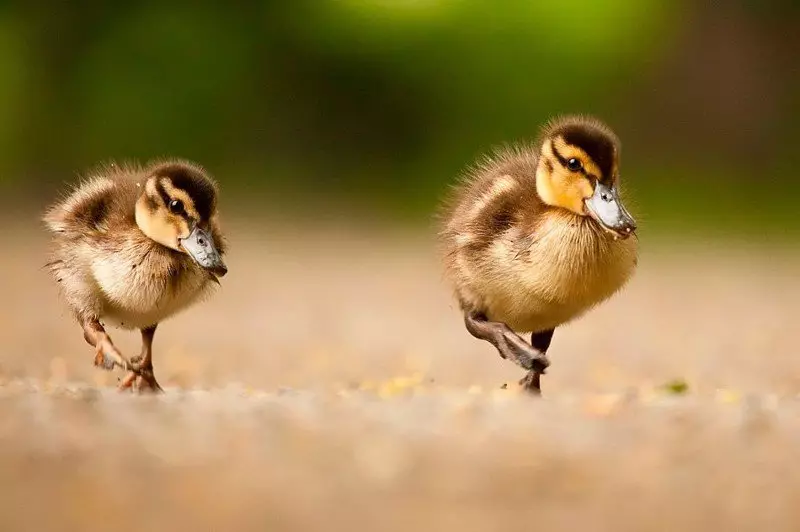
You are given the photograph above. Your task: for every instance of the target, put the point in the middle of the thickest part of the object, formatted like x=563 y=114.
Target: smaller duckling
x=134 y=245
x=535 y=236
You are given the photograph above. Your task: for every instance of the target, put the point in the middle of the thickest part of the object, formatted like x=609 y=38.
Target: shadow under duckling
x=536 y=235
x=132 y=246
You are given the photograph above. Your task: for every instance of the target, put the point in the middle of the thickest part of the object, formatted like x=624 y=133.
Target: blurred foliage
x=378 y=104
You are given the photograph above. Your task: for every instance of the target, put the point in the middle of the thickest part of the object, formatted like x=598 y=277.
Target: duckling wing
x=92 y=208
x=495 y=195
x=89 y=224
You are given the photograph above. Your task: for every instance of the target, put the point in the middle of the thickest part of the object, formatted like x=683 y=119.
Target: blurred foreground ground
x=330 y=385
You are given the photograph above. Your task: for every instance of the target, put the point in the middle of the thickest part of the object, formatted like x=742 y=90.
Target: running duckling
x=132 y=246
x=536 y=235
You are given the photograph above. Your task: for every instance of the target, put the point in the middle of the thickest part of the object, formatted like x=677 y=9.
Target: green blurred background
x=373 y=106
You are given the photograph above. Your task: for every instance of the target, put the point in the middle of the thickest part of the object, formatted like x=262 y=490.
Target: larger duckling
x=133 y=246
x=536 y=235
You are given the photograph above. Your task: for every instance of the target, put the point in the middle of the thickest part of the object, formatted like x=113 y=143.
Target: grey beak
x=607 y=209
x=200 y=246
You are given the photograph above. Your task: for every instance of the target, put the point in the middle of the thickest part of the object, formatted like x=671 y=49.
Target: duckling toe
x=104 y=361
x=147 y=383
x=532 y=382
x=127 y=381
x=140 y=382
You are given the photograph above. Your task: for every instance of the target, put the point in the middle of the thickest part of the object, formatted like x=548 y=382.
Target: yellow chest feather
x=134 y=297
x=543 y=280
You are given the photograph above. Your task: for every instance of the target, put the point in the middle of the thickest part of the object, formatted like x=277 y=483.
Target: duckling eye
x=574 y=164
x=176 y=206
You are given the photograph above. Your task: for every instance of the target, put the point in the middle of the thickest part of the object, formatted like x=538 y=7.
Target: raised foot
x=107 y=357
x=524 y=354
x=508 y=343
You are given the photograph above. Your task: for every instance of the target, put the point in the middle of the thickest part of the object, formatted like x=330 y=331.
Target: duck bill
x=607 y=210
x=200 y=246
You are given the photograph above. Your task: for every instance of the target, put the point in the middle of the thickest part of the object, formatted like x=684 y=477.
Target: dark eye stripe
x=196 y=187
x=597 y=146
x=565 y=162
x=163 y=193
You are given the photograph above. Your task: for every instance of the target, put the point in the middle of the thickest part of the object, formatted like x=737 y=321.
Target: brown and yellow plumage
x=119 y=248
x=520 y=245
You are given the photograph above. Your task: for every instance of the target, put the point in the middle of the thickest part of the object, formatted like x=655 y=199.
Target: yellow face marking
x=156 y=224
x=568 y=151
x=178 y=194
x=559 y=186
x=160 y=224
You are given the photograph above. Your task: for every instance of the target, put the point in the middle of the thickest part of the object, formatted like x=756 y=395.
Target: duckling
x=133 y=245
x=535 y=235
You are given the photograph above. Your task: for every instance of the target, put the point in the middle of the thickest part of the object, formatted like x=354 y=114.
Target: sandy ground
x=329 y=384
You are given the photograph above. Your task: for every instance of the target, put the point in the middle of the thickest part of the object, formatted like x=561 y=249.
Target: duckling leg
x=541 y=341
x=141 y=376
x=107 y=355
x=508 y=343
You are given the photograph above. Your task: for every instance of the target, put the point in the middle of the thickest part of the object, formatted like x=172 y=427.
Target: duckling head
x=178 y=208
x=578 y=170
